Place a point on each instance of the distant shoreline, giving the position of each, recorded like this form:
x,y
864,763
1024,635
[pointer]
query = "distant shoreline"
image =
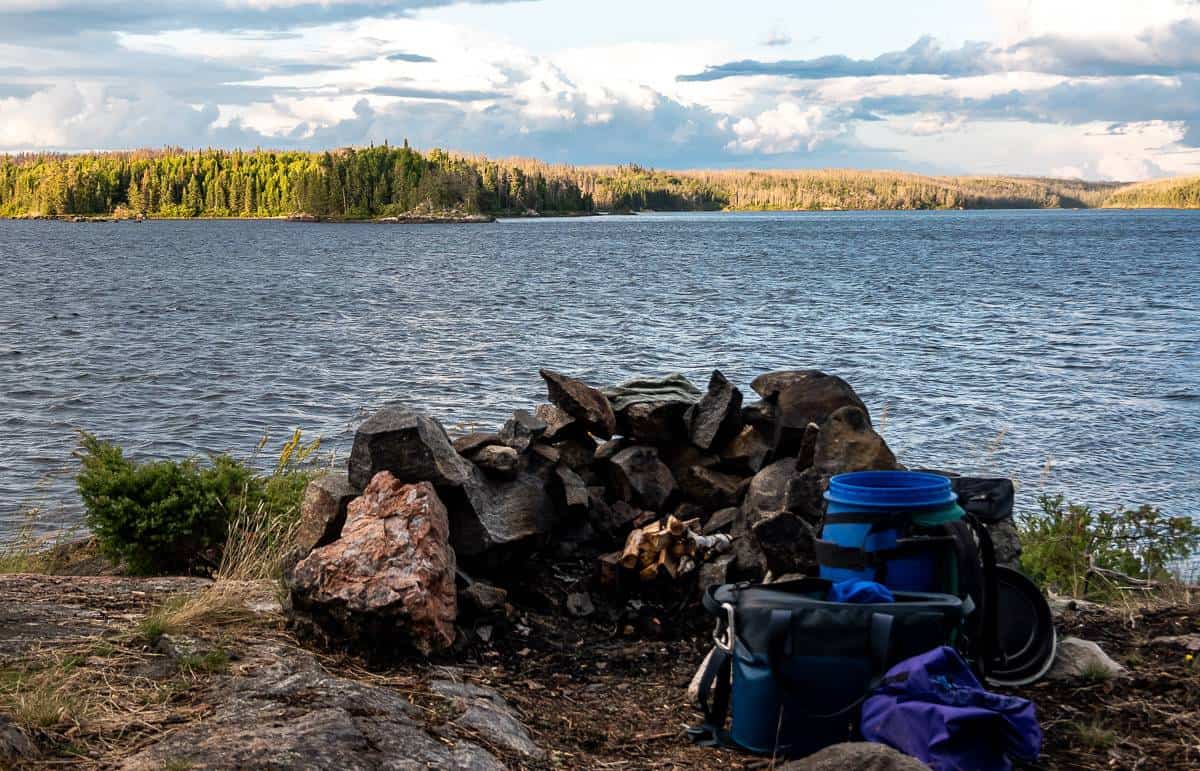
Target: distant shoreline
x,y
483,219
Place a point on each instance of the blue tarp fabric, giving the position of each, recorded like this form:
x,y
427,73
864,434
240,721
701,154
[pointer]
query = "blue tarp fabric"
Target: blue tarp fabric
x,y
932,707
858,591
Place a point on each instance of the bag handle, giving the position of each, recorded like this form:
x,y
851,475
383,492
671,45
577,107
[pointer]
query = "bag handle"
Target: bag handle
x,y
779,636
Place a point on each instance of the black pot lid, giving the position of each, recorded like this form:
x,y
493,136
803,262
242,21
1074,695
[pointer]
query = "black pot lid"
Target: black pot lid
x,y
1026,641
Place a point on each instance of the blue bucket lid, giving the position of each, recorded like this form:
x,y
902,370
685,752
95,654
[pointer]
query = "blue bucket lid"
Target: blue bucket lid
x,y
890,489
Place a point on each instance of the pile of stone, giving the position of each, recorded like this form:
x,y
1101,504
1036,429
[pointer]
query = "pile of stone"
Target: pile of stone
x,y
380,547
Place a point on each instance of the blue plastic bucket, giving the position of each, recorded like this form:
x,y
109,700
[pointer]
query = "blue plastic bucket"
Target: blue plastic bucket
x,y
868,512
891,490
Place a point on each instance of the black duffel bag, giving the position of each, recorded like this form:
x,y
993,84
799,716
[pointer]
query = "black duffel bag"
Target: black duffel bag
x,y
796,668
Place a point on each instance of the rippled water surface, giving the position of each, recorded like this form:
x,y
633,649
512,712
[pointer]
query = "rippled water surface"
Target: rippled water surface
x,y
1062,348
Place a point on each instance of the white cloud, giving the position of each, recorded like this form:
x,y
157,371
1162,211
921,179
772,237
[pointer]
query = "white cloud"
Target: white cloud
x,y
785,129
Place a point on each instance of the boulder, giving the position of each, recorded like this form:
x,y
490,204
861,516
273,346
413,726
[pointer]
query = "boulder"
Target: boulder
x,y
579,454
717,417
492,513
720,521
1007,542
559,425
787,542
800,397
606,450
641,478
409,444
760,414
521,429
808,445
1076,658
470,444
847,442
581,402
680,457
482,599
391,573
498,461
714,572
539,452
748,451
709,488
654,422
323,510
572,490
613,521
769,490
856,756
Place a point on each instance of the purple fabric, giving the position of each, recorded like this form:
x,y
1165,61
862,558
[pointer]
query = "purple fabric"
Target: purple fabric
x,y
858,591
933,708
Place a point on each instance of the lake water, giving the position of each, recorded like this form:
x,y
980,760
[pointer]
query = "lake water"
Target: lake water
x,y
1061,348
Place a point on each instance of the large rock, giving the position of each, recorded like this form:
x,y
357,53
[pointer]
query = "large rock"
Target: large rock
x,y
1076,658
1007,542
768,490
522,429
717,417
856,756
498,461
411,445
654,422
612,521
642,479
577,453
323,510
581,401
491,513
709,488
284,711
470,444
390,575
572,491
801,397
847,442
559,425
787,542
748,451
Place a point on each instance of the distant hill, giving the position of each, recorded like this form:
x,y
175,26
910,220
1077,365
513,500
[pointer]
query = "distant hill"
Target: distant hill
x,y
389,181
1175,193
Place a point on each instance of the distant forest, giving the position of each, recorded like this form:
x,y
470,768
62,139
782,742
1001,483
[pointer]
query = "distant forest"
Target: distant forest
x,y
386,180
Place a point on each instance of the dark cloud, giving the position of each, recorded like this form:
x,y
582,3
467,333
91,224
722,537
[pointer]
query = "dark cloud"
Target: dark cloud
x,y
1171,49
59,22
402,56
924,57
426,93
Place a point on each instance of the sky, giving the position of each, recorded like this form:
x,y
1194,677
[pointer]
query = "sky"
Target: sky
x,y
1095,89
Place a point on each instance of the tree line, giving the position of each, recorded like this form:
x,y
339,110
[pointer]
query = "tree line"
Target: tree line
x,y
357,183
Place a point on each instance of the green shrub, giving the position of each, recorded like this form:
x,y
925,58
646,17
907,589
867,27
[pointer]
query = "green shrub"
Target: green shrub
x,y
173,516
1070,546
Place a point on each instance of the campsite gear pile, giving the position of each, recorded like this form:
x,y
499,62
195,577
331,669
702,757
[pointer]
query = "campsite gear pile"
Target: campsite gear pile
x,y
906,568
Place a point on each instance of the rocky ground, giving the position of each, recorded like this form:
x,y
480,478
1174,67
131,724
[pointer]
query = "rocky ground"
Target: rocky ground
x,y
87,680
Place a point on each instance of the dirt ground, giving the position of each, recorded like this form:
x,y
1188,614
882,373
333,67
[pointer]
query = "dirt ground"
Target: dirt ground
x,y
602,692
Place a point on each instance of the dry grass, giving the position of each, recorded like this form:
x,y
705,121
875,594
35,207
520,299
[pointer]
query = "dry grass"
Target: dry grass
x,y
255,549
89,698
